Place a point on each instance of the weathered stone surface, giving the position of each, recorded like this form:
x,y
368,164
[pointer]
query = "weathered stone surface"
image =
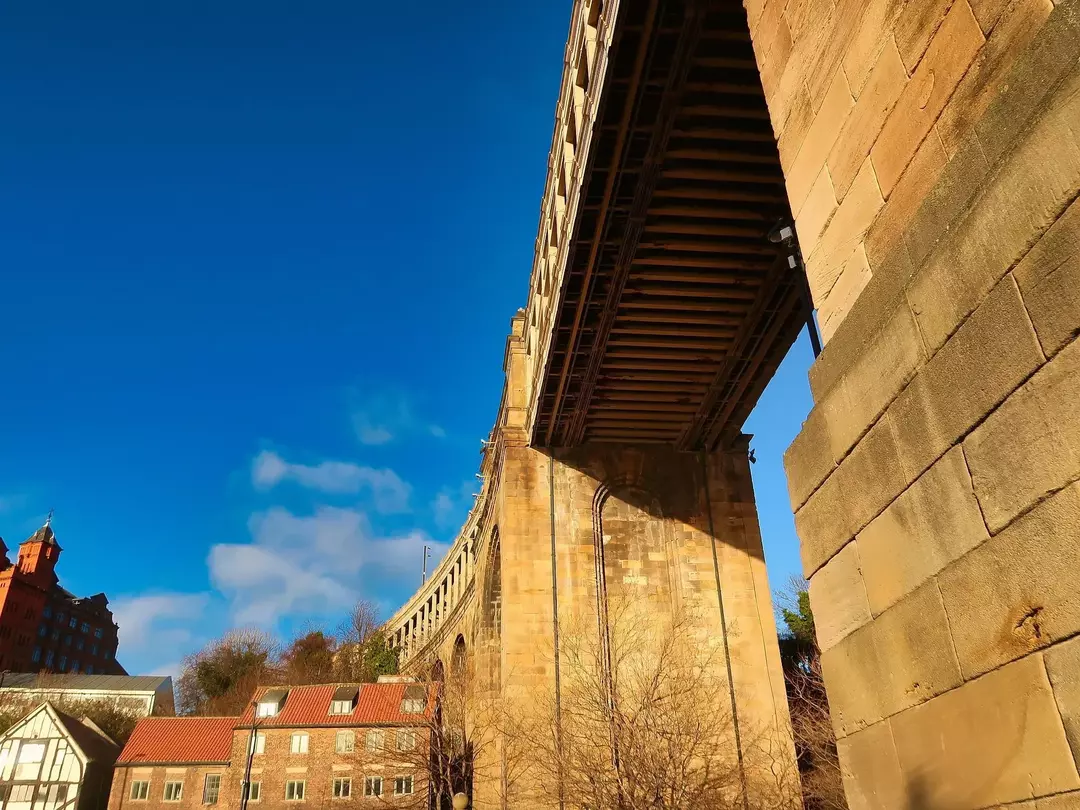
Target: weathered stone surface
x,y
887,364
1030,446
1023,199
988,357
963,177
853,279
1034,76
874,31
809,459
838,598
907,196
902,658
855,493
800,117
815,214
853,216
916,27
1008,597
863,323
1049,280
988,11
1054,305
1062,801
871,770
935,522
830,38
817,142
1012,35
1063,667
953,48
995,740
865,121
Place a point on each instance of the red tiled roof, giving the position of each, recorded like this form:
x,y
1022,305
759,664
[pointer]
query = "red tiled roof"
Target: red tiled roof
x,y
179,739
379,704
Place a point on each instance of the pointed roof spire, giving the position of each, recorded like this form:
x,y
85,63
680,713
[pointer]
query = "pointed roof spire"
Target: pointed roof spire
x,y
45,533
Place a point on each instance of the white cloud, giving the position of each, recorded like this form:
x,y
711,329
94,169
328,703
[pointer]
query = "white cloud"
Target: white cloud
x,y
389,493
309,564
153,625
386,418
451,506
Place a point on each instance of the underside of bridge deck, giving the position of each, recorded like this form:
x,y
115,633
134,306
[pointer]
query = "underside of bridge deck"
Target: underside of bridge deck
x,y
675,308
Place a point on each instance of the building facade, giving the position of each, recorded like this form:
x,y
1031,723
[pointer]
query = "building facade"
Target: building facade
x,y
52,761
309,746
43,626
142,695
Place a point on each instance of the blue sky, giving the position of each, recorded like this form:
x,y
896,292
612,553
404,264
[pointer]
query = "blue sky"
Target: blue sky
x,y
257,265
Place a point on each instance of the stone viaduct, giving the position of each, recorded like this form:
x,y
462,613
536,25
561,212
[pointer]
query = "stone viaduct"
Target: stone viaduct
x,y
928,153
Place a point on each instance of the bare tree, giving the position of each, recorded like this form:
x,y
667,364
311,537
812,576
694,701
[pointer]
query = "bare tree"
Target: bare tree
x,y
363,653
465,736
639,721
220,678
811,724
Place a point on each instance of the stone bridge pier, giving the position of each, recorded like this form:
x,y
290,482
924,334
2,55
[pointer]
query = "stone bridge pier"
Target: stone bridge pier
x,y
928,154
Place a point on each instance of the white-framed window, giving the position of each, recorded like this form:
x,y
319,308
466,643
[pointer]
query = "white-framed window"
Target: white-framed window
x,y
31,752
373,786
140,790
412,705
258,743
29,761
254,791
341,707
294,790
298,743
211,788
344,742
266,710
406,739
403,786
373,740
174,791
342,787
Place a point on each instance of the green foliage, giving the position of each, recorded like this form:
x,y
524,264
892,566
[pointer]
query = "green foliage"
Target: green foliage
x,y
220,678
379,657
800,621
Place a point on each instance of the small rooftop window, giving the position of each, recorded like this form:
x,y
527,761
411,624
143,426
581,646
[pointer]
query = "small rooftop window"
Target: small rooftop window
x,y
414,699
344,700
271,702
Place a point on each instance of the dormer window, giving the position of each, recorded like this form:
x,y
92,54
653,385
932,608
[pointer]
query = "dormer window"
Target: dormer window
x,y
271,703
344,700
414,700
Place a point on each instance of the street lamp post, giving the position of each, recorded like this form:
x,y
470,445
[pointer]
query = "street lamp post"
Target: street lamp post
x,y
245,786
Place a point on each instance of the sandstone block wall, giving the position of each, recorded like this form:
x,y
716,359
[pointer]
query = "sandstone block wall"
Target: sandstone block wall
x,y
649,508
936,482
673,532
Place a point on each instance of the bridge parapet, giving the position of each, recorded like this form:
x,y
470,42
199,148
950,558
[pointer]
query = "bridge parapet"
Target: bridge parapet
x,y
584,66
439,607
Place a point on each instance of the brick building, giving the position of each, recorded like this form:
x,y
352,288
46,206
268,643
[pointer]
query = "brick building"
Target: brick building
x,y
311,746
44,627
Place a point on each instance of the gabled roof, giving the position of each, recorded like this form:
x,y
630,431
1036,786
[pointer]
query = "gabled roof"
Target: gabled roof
x,y
379,704
187,740
95,743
